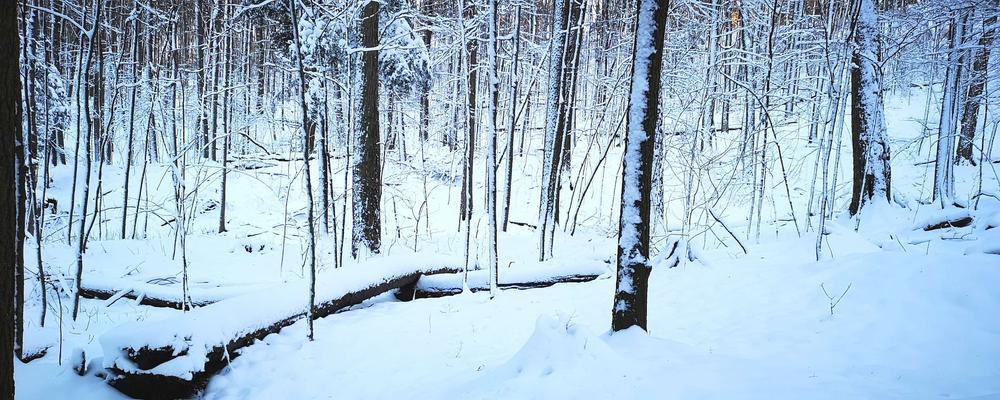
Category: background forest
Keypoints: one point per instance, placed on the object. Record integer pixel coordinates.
(794, 198)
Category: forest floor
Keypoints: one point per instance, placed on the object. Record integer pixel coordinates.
(914, 313)
(916, 323)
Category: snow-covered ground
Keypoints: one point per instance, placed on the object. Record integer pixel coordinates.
(915, 323)
(915, 315)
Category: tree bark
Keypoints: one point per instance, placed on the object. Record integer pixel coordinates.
(630, 301)
(10, 125)
(367, 232)
(870, 142)
(970, 115)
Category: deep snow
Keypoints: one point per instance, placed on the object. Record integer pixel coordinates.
(919, 319)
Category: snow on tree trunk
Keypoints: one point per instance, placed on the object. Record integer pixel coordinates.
(633, 233)
(491, 152)
(970, 114)
(944, 175)
(871, 144)
(308, 131)
(367, 171)
(553, 141)
(514, 81)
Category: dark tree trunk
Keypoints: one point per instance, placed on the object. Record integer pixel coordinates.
(472, 47)
(571, 58)
(970, 115)
(870, 143)
(629, 308)
(425, 90)
(10, 126)
(367, 232)
(514, 81)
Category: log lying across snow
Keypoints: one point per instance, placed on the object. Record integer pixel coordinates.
(174, 358)
(954, 218)
(167, 296)
(524, 277)
(139, 297)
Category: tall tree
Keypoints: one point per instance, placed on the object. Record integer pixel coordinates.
(973, 98)
(630, 303)
(367, 171)
(10, 129)
(514, 81)
(944, 171)
(870, 141)
(492, 84)
(470, 15)
(547, 207)
(308, 130)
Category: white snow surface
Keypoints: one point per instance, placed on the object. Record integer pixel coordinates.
(201, 329)
(911, 326)
(918, 322)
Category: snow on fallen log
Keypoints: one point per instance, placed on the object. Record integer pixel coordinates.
(166, 296)
(536, 275)
(174, 357)
(953, 217)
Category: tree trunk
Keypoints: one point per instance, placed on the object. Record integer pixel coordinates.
(553, 134)
(970, 115)
(630, 303)
(10, 124)
(514, 81)
(308, 131)
(367, 233)
(944, 175)
(870, 142)
(472, 46)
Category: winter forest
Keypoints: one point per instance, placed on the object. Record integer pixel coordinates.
(457, 199)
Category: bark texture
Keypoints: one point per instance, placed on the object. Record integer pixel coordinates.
(630, 302)
(870, 142)
(367, 233)
(10, 129)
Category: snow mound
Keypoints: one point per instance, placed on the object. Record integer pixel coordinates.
(559, 360)
(556, 347)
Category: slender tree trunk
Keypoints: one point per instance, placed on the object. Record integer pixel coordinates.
(131, 121)
(227, 131)
(970, 115)
(514, 82)
(553, 138)
(944, 175)
(472, 46)
(308, 124)
(493, 83)
(89, 97)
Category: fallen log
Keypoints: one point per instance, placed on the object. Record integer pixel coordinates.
(959, 222)
(526, 277)
(174, 358)
(418, 292)
(141, 298)
(164, 296)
